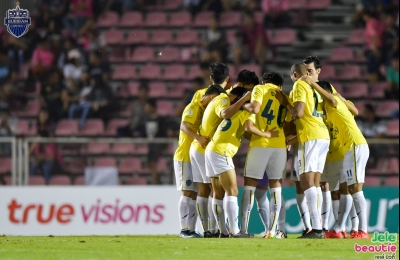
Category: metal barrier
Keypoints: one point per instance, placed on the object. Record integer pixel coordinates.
(15, 142)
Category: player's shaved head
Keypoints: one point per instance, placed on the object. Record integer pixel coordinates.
(299, 68)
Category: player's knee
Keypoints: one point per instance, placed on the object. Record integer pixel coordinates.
(335, 195)
(324, 186)
(343, 189)
(233, 191)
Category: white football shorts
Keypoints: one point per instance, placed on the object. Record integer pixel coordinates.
(294, 175)
(217, 163)
(333, 174)
(312, 156)
(198, 163)
(270, 160)
(184, 176)
(355, 161)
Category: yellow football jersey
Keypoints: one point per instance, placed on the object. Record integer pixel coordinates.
(272, 114)
(311, 126)
(343, 130)
(212, 118)
(198, 95)
(228, 137)
(192, 114)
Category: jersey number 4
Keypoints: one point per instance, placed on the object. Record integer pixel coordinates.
(268, 113)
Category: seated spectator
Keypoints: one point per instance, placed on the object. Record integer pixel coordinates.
(79, 14)
(214, 43)
(98, 67)
(72, 94)
(44, 123)
(13, 94)
(4, 59)
(193, 6)
(217, 6)
(42, 58)
(5, 131)
(276, 13)
(392, 77)
(94, 42)
(197, 83)
(50, 95)
(370, 125)
(73, 69)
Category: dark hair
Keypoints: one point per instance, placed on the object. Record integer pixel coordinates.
(247, 77)
(274, 78)
(219, 72)
(325, 85)
(311, 59)
(238, 91)
(199, 81)
(152, 102)
(214, 90)
(299, 68)
(369, 108)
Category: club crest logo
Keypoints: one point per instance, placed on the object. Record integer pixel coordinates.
(17, 21)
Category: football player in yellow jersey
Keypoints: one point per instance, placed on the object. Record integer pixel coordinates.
(191, 120)
(265, 155)
(356, 153)
(313, 138)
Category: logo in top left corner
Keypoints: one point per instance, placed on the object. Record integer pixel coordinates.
(17, 21)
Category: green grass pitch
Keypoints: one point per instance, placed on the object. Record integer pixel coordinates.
(173, 247)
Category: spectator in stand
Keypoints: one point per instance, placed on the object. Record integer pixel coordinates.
(217, 6)
(392, 77)
(42, 58)
(4, 58)
(193, 6)
(44, 123)
(97, 67)
(50, 95)
(214, 43)
(94, 42)
(80, 15)
(72, 94)
(58, 9)
(197, 84)
(276, 13)
(69, 44)
(5, 131)
(390, 38)
(13, 92)
(370, 125)
(73, 69)
(135, 126)
(101, 99)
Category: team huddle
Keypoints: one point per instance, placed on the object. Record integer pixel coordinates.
(330, 155)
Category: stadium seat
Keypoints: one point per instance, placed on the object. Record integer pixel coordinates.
(114, 37)
(36, 180)
(142, 54)
(253, 67)
(123, 149)
(137, 181)
(171, 4)
(230, 19)
(338, 86)
(161, 37)
(155, 19)
(131, 19)
(372, 181)
(180, 19)
(240, 180)
(105, 162)
(165, 107)
(96, 149)
(23, 128)
(151, 72)
(327, 72)
(92, 127)
(298, 4)
(125, 111)
(113, 125)
(119, 55)
(130, 165)
(141, 149)
(342, 54)
(169, 54)
(7, 180)
(382, 167)
(360, 106)
(284, 37)
(67, 127)
(174, 72)
(377, 90)
(259, 17)
(393, 167)
(137, 37)
(393, 128)
(386, 108)
(133, 88)
(5, 165)
(349, 72)
(194, 72)
(79, 180)
(202, 19)
(231, 35)
(187, 37)
(124, 72)
(32, 109)
(357, 37)
(178, 89)
(356, 90)
(318, 4)
(76, 166)
(60, 180)
(157, 89)
(162, 165)
(108, 19)
(392, 181)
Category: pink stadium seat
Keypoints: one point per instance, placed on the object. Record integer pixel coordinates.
(165, 107)
(298, 4)
(342, 54)
(372, 181)
(240, 180)
(202, 19)
(284, 37)
(162, 165)
(137, 37)
(130, 165)
(92, 127)
(231, 35)
(96, 148)
(122, 92)
(357, 37)
(169, 54)
(157, 89)
(327, 72)
(356, 90)
(141, 149)
(114, 37)
(174, 72)
(172, 4)
(194, 72)
(360, 106)
(137, 181)
(377, 90)
(124, 72)
(230, 19)
(142, 54)
(32, 109)
(180, 19)
(259, 17)
(113, 125)
(393, 128)
(108, 19)
(252, 67)
(105, 162)
(60, 180)
(338, 86)
(119, 55)
(392, 181)
(318, 4)
(76, 166)
(123, 149)
(150, 72)
(36, 180)
(131, 19)
(393, 167)
(7, 180)
(23, 128)
(79, 180)
(349, 72)
(5, 165)
(133, 88)
(156, 19)
(161, 37)
(67, 127)
(386, 108)
(178, 89)
(187, 37)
